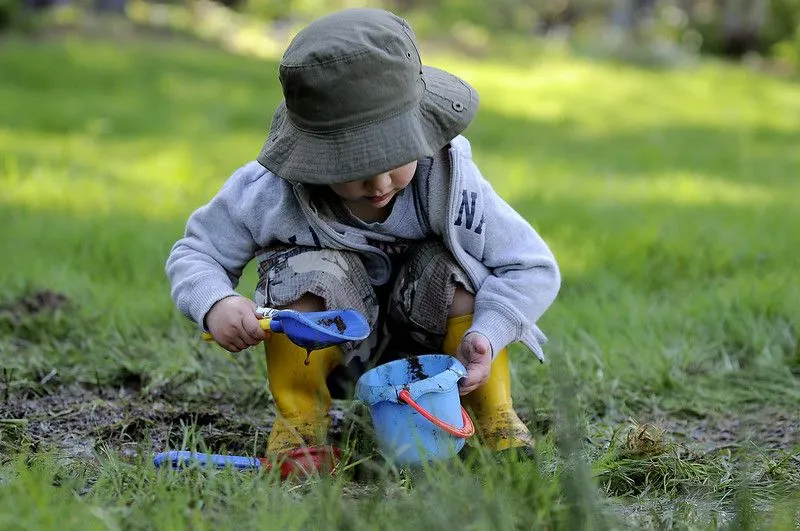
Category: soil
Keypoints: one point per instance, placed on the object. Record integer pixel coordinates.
(33, 304)
(768, 429)
(338, 321)
(415, 370)
(79, 421)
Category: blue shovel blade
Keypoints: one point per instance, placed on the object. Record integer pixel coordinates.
(182, 459)
(314, 330)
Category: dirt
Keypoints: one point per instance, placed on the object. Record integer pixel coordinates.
(768, 429)
(337, 321)
(81, 421)
(415, 370)
(33, 304)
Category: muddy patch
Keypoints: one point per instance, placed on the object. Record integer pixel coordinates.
(34, 304)
(415, 370)
(698, 463)
(767, 429)
(36, 317)
(81, 421)
(337, 321)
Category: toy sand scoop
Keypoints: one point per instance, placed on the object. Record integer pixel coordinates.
(313, 330)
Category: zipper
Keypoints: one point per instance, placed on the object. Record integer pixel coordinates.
(338, 238)
(451, 198)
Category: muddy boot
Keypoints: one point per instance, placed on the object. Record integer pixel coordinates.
(496, 423)
(299, 434)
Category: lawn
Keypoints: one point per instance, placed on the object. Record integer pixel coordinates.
(670, 397)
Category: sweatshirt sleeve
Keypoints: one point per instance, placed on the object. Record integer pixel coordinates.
(524, 277)
(205, 265)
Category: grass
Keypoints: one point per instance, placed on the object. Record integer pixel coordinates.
(669, 198)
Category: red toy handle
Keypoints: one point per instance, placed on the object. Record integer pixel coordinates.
(467, 431)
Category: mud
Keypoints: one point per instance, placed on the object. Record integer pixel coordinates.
(337, 321)
(33, 304)
(768, 429)
(80, 421)
(415, 370)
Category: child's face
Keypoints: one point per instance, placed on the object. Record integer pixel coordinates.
(378, 191)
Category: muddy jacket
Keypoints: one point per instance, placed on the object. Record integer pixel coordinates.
(511, 267)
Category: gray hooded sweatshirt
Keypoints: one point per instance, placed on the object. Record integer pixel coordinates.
(513, 271)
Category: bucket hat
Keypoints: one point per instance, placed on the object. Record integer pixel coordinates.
(358, 101)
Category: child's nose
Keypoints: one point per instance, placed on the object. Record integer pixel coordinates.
(381, 182)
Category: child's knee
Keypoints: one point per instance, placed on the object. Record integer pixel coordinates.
(310, 279)
(463, 303)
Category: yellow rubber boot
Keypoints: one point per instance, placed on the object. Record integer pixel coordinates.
(496, 423)
(300, 393)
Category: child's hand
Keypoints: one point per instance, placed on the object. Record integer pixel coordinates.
(234, 323)
(475, 353)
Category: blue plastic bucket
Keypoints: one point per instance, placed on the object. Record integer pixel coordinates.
(416, 409)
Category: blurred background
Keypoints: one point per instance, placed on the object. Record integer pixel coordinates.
(647, 31)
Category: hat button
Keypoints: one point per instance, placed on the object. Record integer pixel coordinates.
(458, 106)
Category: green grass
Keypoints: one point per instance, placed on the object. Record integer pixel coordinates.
(669, 198)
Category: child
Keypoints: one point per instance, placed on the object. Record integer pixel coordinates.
(365, 196)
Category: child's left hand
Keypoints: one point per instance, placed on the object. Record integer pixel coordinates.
(475, 353)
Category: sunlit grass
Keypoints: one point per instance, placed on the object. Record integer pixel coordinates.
(627, 173)
(601, 98)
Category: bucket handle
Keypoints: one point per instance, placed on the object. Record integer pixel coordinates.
(467, 431)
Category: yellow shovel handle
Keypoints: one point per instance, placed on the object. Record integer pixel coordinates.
(263, 322)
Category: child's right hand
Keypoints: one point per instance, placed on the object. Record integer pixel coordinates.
(234, 323)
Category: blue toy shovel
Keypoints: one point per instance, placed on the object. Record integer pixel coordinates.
(313, 330)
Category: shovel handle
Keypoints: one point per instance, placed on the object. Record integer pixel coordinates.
(183, 458)
(467, 431)
(265, 326)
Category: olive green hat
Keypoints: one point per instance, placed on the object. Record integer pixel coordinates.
(359, 102)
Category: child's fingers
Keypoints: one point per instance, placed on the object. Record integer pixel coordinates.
(476, 377)
(467, 384)
(234, 339)
(471, 387)
(465, 390)
(251, 330)
(475, 355)
(234, 345)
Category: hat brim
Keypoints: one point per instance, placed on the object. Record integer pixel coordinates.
(447, 106)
